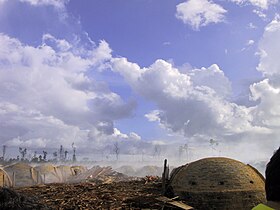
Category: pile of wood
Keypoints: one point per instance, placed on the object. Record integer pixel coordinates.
(99, 174)
(9, 199)
(115, 195)
(134, 194)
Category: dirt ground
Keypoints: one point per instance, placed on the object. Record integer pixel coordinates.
(137, 194)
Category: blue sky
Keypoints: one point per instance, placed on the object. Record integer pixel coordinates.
(141, 71)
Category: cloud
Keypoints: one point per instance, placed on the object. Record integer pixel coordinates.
(48, 94)
(192, 103)
(30, 128)
(252, 26)
(267, 111)
(269, 48)
(26, 127)
(262, 4)
(198, 13)
(166, 43)
(196, 105)
(250, 42)
(58, 4)
(260, 14)
(267, 91)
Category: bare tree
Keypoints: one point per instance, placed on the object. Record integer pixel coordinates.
(74, 152)
(116, 150)
(55, 155)
(35, 154)
(45, 155)
(213, 144)
(22, 152)
(184, 152)
(143, 153)
(61, 155)
(157, 150)
(34, 158)
(186, 149)
(181, 149)
(4, 151)
(65, 155)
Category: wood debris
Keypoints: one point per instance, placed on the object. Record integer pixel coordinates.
(172, 202)
(116, 195)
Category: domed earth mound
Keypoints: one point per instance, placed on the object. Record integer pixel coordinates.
(218, 183)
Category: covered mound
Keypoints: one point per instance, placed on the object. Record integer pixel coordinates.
(217, 183)
(76, 170)
(99, 174)
(25, 175)
(48, 173)
(64, 172)
(149, 171)
(127, 170)
(5, 180)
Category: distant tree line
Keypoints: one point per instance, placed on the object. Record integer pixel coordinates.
(57, 156)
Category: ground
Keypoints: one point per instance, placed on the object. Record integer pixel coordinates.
(136, 194)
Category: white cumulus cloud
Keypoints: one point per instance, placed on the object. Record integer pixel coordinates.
(262, 4)
(269, 49)
(192, 103)
(267, 91)
(47, 96)
(198, 13)
(59, 4)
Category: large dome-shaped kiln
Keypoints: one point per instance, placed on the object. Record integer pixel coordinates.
(218, 183)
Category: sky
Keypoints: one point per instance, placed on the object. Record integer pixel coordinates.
(143, 73)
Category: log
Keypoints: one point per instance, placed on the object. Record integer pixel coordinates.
(174, 203)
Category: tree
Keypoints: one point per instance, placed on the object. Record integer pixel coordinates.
(74, 152)
(45, 155)
(61, 152)
(186, 149)
(65, 155)
(116, 150)
(22, 152)
(55, 155)
(35, 158)
(184, 152)
(157, 150)
(213, 144)
(143, 152)
(180, 152)
(4, 151)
